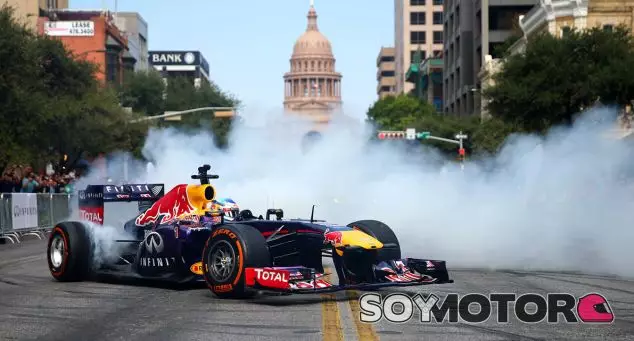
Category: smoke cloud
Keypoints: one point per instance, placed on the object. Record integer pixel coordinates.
(561, 202)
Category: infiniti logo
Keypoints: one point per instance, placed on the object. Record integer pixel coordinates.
(154, 243)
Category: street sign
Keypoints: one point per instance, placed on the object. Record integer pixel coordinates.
(423, 135)
(410, 134)
(461, 136)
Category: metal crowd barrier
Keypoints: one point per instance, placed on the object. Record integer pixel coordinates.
(31, 214)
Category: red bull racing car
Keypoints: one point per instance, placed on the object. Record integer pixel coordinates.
(189, 235)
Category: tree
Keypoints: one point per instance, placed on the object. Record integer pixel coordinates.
(556, 77)
(406, 111)
(398, 112)
(183, 95)
(51, 104)
(143, 92)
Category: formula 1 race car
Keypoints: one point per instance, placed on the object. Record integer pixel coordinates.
(181, 237)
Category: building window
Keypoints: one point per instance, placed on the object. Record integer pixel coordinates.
(417, 2)
(608, 28)
(437, 53)
(113, 66)
(387, 59)
(437, 37)
(385, 89)
(417, 18)
(565, 31)
(412, 55)
(438, 2)
(418, 37)
(438, 18)
(387, 74)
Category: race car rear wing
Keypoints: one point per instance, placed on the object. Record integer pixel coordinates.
(92, 199)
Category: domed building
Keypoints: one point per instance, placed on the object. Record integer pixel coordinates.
(312, 87)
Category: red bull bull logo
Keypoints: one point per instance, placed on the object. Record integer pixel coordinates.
(174, 204)
(333, 237)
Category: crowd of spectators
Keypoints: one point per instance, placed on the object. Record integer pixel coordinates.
(23, 179)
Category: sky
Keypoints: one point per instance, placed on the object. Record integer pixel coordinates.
(248, 43)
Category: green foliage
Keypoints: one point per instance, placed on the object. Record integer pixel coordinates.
(51, 104)
(406, 111)
(398, 112)
(144, 93)
(555, 78)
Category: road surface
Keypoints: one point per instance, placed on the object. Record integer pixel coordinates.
(33, 306)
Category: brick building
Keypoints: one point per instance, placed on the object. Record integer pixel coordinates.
(92, 36)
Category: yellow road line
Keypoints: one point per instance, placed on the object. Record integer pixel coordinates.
(331, 319)
(365, 331)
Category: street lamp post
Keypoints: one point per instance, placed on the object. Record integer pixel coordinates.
(219, 112)
(411, 134)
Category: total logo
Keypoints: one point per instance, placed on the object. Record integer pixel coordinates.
(268, 278)
(271, 275)
(94, 217)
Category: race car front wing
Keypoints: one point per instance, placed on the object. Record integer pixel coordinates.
(300, 279)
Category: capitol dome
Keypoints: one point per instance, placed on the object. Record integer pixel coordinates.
(312, 86)
(312, 42)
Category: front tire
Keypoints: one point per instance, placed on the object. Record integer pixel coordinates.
(69, 252)
(228, 252)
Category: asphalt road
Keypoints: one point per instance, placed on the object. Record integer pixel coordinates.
(34, 307)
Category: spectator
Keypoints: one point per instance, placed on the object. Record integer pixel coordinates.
(7, 184)
(29, 183)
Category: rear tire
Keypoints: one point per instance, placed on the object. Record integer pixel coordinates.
(69, 252)
(382, 233)
(240, 246)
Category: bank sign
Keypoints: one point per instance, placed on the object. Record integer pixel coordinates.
(174, 58)
(171, 58)
(84, 28)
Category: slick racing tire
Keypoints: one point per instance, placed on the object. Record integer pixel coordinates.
(69, 252)
(228, 252)
(384, 234)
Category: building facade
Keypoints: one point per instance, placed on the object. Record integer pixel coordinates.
(473, 30)
(312, 87)
(418, 25)
(385, 73)
(558, 17)
(28, 11)
(188, 64)
(135, 29)
(92, 36)
(426, 77)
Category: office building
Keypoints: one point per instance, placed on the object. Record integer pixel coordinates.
(312, 87)
(418, 24)
(385, 73)
(188, 64)
(93, 36)
(28, 11)
(427, 80)
(474, 29)
(135, 29)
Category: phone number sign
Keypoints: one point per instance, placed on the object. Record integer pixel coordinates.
(70, 28)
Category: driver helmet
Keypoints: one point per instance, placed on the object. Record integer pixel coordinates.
(228, 206)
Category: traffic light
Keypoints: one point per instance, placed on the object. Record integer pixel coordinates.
(391, 135)
(461, 154)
